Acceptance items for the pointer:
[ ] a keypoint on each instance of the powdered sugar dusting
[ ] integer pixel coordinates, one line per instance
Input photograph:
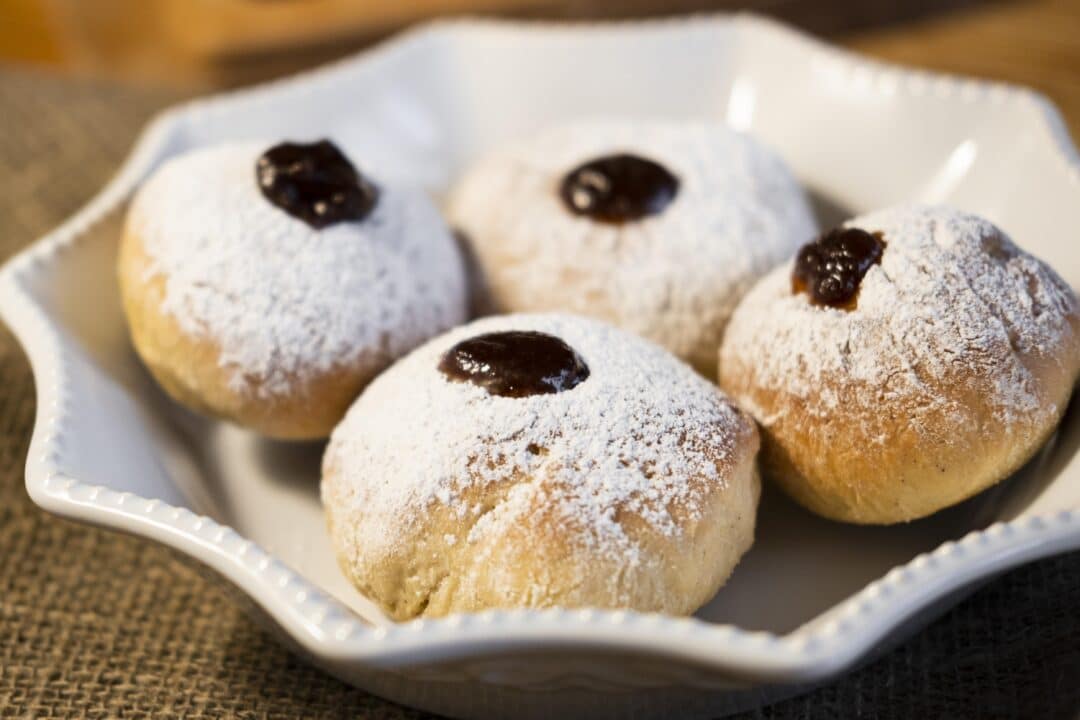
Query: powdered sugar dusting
(283, 300)
(953, 300)
(674, 277)
(642, 436)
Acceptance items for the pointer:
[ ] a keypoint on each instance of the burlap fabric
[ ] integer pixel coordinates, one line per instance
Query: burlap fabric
(99, 625)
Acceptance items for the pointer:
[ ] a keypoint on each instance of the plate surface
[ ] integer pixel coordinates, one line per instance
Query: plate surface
(810, 600)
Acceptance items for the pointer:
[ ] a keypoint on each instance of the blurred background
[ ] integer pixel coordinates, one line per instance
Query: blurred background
(196, 45)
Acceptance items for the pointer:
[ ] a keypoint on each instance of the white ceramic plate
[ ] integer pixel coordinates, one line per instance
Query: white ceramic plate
(810, 600)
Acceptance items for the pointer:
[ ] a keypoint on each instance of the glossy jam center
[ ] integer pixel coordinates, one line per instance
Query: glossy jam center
(315, 183)
(618, 188)
(831, 268)
(515, 363)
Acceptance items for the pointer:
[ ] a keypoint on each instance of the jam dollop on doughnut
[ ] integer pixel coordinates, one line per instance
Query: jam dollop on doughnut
(618, 188)
(515, 363)
(314, 182)
(831, 267)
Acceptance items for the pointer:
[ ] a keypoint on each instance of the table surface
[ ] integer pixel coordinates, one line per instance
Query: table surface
(94, 624)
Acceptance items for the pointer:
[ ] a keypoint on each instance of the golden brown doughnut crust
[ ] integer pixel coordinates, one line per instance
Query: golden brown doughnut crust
(839, 470)
(190, 371)
(954, 368)
(243, 311)
(541, 563)
(636, 489)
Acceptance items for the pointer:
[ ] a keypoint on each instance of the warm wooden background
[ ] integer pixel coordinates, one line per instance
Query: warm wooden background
(1031, 43)
(200, 45)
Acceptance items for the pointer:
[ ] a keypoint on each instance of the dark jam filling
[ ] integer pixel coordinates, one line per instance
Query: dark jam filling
(831, 268)
(315, 183)
(618, 188)
(515, 364)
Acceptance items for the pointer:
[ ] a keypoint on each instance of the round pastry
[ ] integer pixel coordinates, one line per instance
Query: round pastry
(539, 461)
(902, 363)
(658, 228)
(268, 285)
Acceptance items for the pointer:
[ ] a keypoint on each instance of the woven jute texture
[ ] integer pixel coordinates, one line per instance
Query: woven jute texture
(98, 625)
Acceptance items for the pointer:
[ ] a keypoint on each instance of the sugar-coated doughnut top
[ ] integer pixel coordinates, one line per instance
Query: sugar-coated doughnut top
(641, 436)
(952, 302)
(282, 299)
(722, 210)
